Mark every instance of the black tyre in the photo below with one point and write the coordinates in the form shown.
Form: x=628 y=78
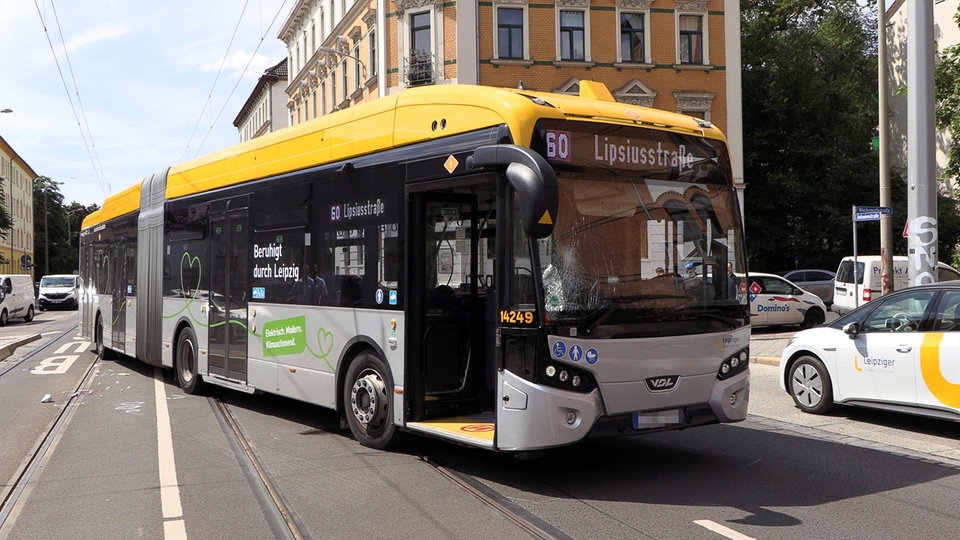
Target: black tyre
x=813 y=317
x=367 y=399
x=809 y=385
x=4 y=318
x=102 y=351
x=188 y=377
x=29 y=316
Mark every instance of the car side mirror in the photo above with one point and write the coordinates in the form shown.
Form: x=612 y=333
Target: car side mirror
x=851 y=329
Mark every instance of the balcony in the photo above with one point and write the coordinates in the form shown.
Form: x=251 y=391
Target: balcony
x=418 y=68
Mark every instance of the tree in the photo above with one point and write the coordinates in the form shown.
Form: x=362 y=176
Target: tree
x=810 y=109
x=947 y=82
x=6 y=222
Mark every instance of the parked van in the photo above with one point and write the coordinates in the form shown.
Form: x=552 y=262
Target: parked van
x=17 y=299
x=851 y=291
x=59 y=291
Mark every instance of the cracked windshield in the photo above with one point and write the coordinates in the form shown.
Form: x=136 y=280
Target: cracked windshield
x=651 y=256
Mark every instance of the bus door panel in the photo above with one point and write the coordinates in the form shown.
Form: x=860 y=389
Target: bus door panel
x=118 y=297
x=447 y=306
x=228 y=299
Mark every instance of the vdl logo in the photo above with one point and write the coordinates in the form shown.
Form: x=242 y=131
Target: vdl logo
x=662 y=384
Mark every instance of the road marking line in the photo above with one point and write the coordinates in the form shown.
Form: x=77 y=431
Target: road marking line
x=169 y=487
x=721 y=530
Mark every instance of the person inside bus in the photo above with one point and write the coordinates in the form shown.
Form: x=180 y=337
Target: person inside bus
x=320 y=294
x=302 y=290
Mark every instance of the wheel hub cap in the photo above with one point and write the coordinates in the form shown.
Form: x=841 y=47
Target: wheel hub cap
x=365 y=397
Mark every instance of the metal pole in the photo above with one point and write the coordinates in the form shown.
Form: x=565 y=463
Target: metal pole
x=46 y=235
x=856 y=279
x=921 y=165
x=886 y=221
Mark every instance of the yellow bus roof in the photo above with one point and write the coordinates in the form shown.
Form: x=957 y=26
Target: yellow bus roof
x=409 y=117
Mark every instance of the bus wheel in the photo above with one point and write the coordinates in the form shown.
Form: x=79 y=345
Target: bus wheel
x=809 y=385
x=187 y=376
x=103 y=353
x=367 y=400
x=29 y=316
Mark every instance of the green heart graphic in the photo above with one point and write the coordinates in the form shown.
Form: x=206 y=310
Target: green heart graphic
x=324 y=343
x=190 y=263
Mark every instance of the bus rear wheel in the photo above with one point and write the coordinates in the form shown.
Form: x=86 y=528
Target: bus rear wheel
x=188 y=376
x=367 y=402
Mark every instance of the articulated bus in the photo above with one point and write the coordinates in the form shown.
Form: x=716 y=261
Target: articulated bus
x=505 y=269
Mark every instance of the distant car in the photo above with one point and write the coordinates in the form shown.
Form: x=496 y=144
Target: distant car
x=777 y=301
x=897 y=353
x=819 y=282
x=59 y=291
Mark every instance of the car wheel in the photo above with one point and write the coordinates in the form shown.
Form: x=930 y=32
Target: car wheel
x=4 y=318
x=813 y=317
x=810 y=386
x=188 y=376
x=29 y=316
x=367 y=393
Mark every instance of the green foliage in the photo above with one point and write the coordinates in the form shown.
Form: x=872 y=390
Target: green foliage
x=57 y=224
x=809 y=86
x=947 y=77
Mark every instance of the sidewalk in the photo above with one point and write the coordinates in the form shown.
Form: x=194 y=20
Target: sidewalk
x=765 y=348
x=10 y=343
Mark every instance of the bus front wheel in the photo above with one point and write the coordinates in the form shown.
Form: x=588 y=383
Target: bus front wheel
x=187 y=375
x=102 y=351
x=367 y=402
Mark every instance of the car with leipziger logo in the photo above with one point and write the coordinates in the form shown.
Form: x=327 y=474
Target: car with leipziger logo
x=778 y=301
x=898 y=353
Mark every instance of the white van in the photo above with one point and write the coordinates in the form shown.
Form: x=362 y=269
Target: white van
x=59 y=291
x=16 y=297
x=851 y=291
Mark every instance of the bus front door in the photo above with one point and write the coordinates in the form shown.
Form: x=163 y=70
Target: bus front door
x=228 y=296
x=447 y=304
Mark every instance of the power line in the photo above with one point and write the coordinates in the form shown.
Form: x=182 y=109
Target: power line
x=86 y=135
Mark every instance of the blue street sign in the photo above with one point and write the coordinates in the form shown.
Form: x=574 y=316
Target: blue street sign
x=885 y=210
x=868 y=216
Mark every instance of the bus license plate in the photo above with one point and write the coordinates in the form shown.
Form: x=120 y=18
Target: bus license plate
x=647 y=420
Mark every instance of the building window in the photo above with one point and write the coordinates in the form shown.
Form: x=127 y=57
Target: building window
x=323 y=97
x=420 y=32
x=344 y=75
x=372 y=60
x=572 y=35
x=691 y=39
x=356 y=64
x=633 y=37
x=510 y=33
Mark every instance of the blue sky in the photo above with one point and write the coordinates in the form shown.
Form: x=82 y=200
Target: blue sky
x=146 y=74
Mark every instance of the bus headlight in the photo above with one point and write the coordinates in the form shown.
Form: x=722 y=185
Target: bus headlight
x=734 y=364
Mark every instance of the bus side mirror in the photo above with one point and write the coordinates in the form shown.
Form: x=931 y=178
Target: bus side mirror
x=532 y=178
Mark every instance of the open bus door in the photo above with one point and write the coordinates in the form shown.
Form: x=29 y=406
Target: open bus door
x=450 y=371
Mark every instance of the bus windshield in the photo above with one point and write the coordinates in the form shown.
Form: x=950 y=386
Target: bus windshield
x=644 y=257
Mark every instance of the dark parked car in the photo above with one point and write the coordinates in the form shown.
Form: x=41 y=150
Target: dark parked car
x=819 y=282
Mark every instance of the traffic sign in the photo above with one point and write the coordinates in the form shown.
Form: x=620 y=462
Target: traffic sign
x=868 y=216
x=885 y=210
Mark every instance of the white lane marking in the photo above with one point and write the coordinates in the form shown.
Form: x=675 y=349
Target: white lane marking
x=169 y=487
x=721 y=530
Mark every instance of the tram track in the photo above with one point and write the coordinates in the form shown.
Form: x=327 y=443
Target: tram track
x=22 y=477
x=275 y=510
x=493 y=500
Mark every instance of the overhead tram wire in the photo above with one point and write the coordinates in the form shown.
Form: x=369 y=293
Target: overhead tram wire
x=239 y=79
x=206 y=103
x=87 y=136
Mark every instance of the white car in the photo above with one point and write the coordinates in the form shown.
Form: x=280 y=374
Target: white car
x=898 y=352
x=777 y=301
